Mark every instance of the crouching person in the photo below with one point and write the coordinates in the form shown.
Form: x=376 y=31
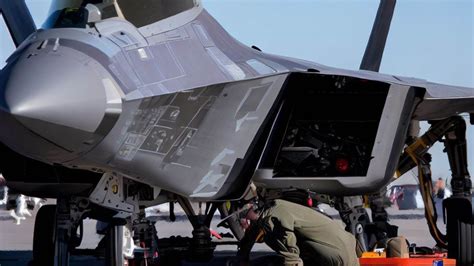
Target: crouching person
x=299 y=235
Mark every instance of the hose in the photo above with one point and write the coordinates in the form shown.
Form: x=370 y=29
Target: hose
x=424 y=176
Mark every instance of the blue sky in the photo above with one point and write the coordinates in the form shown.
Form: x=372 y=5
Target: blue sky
x=429 y=39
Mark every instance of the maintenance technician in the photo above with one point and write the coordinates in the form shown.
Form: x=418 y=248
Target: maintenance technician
x=299 y=234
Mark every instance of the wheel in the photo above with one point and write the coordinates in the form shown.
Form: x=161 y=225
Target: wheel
x=465 y=254
x=43 y=236
x=460 y=229
x=233 y=222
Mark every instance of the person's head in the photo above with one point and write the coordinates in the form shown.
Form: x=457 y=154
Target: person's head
x=441 y=183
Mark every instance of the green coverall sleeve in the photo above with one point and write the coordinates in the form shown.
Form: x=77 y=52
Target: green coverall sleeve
x=280 y=236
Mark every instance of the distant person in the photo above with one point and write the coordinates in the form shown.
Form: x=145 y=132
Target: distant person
x=299 y=234
x=440 y=187
x=21 y=210
x=440 y=192
x=4 y=190
x=19 y=205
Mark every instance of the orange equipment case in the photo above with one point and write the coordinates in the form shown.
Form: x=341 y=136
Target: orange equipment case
x=404 y=262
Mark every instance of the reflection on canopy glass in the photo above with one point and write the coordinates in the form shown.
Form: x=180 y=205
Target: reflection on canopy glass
x=73 y=13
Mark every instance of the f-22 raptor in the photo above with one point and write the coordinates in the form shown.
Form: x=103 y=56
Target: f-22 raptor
x=116 y=105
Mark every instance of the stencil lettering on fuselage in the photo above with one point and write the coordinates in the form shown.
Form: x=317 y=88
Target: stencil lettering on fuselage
x=166 y=124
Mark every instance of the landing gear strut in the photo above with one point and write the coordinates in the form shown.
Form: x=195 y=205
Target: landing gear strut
x=202 y=249
x=199 y=248
x=58 y=231
x=355 y=217
x=459 y=208
x=357 y=221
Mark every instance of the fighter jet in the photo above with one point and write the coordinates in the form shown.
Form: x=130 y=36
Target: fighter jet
x=115 y=105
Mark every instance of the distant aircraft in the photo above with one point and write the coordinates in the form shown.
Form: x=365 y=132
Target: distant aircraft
x=116 y=105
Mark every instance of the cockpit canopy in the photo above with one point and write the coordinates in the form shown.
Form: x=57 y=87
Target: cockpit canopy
x=75 y=13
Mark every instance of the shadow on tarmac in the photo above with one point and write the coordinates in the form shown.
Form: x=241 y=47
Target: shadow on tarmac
x=22 y=258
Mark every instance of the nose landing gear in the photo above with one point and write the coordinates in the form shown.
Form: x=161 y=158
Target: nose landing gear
x=59 y=230
x=56 y=229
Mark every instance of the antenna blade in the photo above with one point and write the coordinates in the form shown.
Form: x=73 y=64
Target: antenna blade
x=18 y=19
x=378 y=37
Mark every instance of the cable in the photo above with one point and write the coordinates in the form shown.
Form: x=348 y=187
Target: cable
x=426 y=192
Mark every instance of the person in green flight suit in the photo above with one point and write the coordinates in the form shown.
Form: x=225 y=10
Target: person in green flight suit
x=299 y=235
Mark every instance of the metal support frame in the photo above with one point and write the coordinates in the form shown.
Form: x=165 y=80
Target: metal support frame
x=146 y=237
x=110 y=192
x=355 y=218
x=380 y=230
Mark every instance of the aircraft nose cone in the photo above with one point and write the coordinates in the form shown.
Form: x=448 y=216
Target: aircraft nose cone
x=58 y=90
x=64 y=98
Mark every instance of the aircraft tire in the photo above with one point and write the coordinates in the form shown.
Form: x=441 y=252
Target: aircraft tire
x=466 y=243
x=43 y=242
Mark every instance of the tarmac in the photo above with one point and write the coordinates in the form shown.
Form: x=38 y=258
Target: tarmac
x=16 y=240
